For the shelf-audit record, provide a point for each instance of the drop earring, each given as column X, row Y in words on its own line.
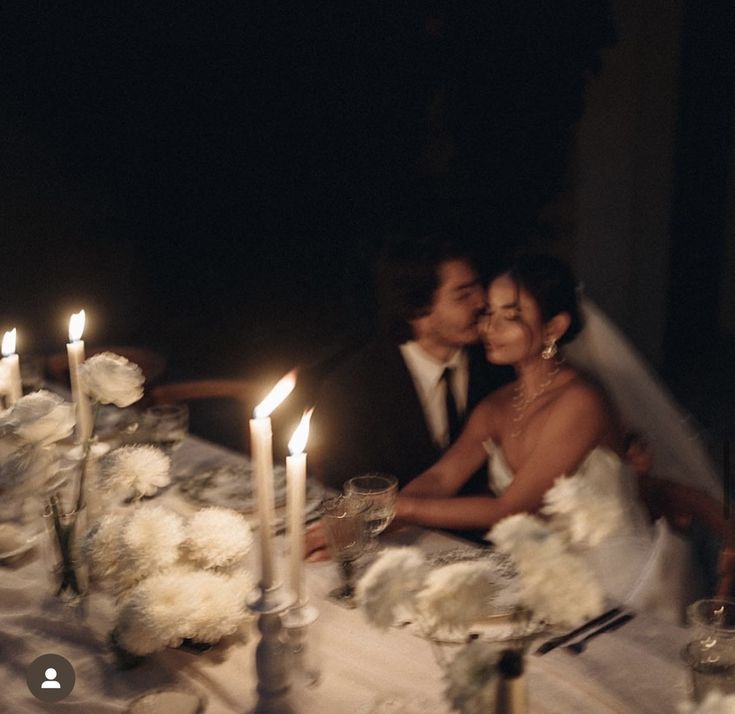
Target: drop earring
column 550, row 349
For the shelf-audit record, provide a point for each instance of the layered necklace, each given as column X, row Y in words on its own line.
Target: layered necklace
column 521, row 402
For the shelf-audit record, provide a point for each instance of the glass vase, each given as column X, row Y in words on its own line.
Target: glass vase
column 64, row 529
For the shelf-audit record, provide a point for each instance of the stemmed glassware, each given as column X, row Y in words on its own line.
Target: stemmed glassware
column 344, row 523
column 167, row 425
column 378, row 492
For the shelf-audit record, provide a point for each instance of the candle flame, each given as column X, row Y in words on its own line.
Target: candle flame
column 283, row 388
column 297, row 444
column 76, row 326
column 8, row 346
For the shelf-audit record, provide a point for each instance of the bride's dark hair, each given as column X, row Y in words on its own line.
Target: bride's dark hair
column 551, row 283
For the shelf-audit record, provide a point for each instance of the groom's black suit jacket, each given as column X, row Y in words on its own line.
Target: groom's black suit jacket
column 368, row 417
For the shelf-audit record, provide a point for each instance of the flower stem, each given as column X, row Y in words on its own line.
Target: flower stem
column 86, row 448
column 65, row 539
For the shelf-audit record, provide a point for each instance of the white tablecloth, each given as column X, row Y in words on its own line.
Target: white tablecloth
column 636, row 670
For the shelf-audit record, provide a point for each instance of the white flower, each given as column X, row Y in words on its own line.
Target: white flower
column 111, row 379
column 135, row 470
column 588, row 506
column 458, row 595
column 219, row 606
column 390, row 584
column 151, row 538
column 714, row 703
column 103, row 546
column 218, row 538
column 180, row 604
column 471, row 678
column 39, row 418
column 554, row 584
column 155, row 613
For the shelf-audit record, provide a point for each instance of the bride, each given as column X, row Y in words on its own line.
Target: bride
column 552, row 421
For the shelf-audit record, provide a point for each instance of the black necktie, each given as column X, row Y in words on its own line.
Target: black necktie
column 452, row 415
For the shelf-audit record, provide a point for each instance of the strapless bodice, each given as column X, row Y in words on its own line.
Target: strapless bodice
column 634, row 562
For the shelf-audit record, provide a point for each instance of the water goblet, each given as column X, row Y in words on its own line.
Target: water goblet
column 378, row 492
column 167, row 425
column 711, row 654
column 343, row 520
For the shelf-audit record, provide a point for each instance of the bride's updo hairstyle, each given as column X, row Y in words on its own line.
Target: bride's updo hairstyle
column 551, row 283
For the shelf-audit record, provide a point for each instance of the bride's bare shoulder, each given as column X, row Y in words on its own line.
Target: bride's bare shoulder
column 582, row 393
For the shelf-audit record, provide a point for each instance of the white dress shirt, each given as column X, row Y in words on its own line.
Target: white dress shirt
column 426, row 372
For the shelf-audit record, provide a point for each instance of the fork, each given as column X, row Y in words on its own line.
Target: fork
column 581, row 645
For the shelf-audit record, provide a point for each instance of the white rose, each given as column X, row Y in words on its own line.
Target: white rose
column 39, row 418
column 111, row 379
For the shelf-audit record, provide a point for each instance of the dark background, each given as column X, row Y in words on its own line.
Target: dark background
column 214, row 180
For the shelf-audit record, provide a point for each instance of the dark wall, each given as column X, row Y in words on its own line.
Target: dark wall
column 215, row 179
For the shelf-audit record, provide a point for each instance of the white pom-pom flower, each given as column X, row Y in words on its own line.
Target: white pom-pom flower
column 103, row 546
column 219, row 607
column 167, row 608
column 111, row 379
column 151, row 539
column 390, row 584
column 155, row 613
column 136, row 471
column 456, row 596
column 218, row 538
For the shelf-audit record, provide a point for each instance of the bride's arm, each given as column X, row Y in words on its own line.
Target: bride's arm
column 578, row 424
column 459, row 462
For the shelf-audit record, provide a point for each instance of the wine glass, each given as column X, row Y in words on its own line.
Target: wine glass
column 378, row 492
column 343, row 520
column 167, row 425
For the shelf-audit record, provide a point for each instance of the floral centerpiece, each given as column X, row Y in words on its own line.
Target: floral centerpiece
column 174, row 581
column 549, row 584
column 30, row 458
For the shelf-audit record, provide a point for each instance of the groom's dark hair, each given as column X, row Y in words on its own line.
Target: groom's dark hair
column 407, row 277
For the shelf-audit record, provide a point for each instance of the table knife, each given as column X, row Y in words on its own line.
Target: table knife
column 559, row 640
column 580, row 645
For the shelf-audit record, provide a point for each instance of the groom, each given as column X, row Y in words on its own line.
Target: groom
column 396, row 404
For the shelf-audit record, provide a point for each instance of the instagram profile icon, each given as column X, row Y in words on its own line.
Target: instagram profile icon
column 50, row 677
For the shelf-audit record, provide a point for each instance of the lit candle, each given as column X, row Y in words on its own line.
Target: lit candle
column 75, row 353
column 261, row 446
column 296, row 479
column 12, row 365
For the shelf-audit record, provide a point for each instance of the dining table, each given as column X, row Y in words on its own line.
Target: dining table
column 636, row 669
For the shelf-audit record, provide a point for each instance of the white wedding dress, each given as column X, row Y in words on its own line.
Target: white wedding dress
column 640, row 564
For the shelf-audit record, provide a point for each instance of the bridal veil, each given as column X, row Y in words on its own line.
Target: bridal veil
column 643, row 402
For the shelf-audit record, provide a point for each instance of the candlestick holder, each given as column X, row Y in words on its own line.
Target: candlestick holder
column 296, row 623
column 271, row 653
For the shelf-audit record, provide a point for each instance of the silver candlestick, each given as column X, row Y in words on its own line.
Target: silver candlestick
column 271, row 654
column 296, row 622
